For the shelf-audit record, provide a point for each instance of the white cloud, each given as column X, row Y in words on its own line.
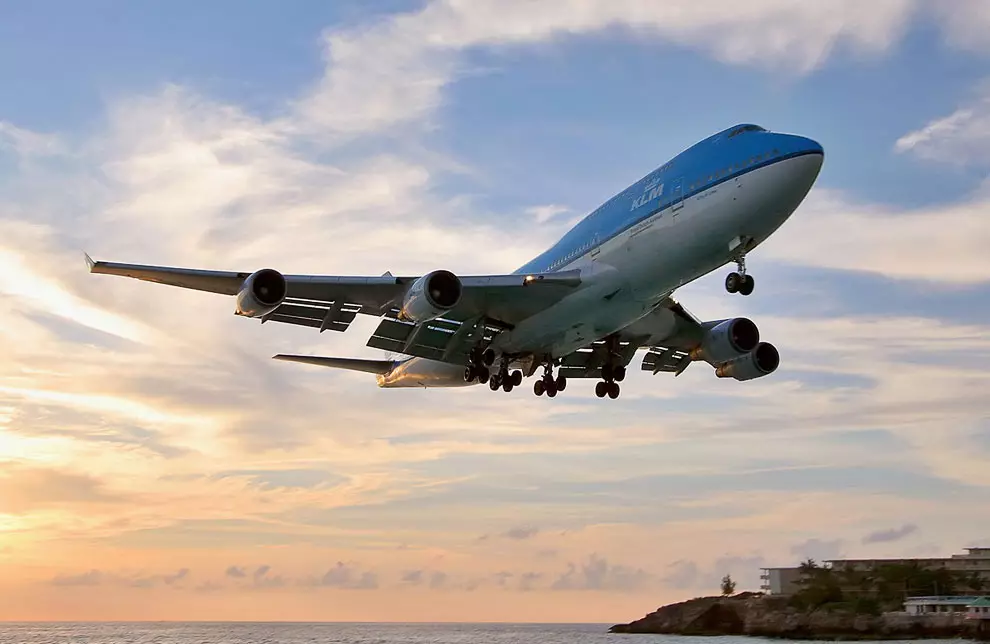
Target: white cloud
column 966, row 23
column 962, row 137
column 28, row 143
column 940, row 244
column 394, row 71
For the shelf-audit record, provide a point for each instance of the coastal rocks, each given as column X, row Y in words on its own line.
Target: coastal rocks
column 769, row 616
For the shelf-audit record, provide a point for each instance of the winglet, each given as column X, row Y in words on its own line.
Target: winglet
column 89, row 262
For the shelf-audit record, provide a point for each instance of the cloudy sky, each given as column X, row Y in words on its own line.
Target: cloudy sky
column 156, row 464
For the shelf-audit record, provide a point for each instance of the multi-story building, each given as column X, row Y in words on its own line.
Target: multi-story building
column 976, row 560
column 784, row 581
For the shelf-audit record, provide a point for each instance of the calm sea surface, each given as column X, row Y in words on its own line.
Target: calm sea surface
column 282, row 633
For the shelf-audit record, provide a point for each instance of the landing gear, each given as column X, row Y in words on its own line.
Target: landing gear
column 477, row 369
column 548, row 384
column 740, row 282
column 612, row 374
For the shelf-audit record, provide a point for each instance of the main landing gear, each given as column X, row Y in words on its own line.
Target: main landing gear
column 740, row 282
column 612, row 374
column 548, row 384
column 478, row 369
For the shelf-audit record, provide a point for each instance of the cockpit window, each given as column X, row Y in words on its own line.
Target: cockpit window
column 746, row 128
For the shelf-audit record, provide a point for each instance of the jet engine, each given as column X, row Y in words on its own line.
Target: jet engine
column 762, row 361
column 431, row 296
column 261, row 293
column 727, row 340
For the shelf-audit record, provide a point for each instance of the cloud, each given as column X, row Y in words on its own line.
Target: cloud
column 394, row 71
column 682, row 574
column 818, row 549
column 597, row 574
column 966, row 23
column 26, row 488
column 349, row 577
column 99, row 578
column 543, row 214
column 413, row 577
column 891, row 534
column 261, row 579
column 521, row 533
column 26, row 143
column 886, row 240
column 961, row 138
column 235, row 572
column 90, row 578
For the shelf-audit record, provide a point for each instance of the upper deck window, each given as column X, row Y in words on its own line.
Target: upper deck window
column 746, row 128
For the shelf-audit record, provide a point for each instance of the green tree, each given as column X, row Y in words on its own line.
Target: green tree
column 728, row 586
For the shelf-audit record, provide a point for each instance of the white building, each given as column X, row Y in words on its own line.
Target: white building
column 939, row 604
column 780, row 581
column 979, row 609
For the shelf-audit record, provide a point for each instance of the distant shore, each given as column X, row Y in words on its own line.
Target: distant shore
column 758, row 615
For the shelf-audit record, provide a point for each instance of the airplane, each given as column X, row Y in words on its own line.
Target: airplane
column 585, row 306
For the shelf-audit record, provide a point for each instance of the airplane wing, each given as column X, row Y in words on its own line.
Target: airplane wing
column 488, row 303
column 668, row 335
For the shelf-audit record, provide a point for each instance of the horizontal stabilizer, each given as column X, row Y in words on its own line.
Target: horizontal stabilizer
column 378, row 367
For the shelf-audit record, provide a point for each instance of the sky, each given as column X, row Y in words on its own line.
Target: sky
column 156, row 464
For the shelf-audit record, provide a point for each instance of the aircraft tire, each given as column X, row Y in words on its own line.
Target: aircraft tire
column 561, row 382
column 748, row 283
column 613, row 390
column 619, row 374
column 733, row 281
column 538, row 388
column 551, row 392
column 516, row 378
column 493, row 383
column 483, row 375
column 601, row 389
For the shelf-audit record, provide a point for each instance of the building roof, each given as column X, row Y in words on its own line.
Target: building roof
column 982, row 601
column 948, row 599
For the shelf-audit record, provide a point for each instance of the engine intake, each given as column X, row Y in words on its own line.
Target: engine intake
column 261, row 293
column 431, row 296
column 760, row 362
column 727, row 340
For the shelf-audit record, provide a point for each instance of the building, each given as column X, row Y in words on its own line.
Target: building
column 979, row 609
column 976, row 560
column 940, row 604
column 780, row 581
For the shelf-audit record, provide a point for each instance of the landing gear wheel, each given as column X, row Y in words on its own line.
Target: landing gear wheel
column 733, row 281
column 469, row 374
column 561, row 382
column 507, row 385
column 516, row 378
column 747, row 285
column 613, row 390
column 601, row 389
column 538, row 388
column 488, row 357
column 551, row 391
column 483, row 375
column 619, row 374
column 494, row 384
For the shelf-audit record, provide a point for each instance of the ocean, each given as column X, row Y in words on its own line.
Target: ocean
column 323, row 633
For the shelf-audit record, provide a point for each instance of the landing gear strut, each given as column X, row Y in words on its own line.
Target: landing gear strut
column 548, row 384
column 739, row 281
column 478, row 368
column 612, row 374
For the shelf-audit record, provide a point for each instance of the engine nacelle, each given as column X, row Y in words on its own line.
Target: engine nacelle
column 431, row 296
column 762, row 361
column 262, row 292
column 727, row 340
column 420, row 372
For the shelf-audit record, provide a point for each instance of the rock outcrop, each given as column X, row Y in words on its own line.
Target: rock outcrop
column 768, row 616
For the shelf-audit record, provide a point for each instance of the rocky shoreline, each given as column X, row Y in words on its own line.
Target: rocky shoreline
column 759, row 615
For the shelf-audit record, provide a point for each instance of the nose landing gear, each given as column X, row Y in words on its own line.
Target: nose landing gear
column 739, row 281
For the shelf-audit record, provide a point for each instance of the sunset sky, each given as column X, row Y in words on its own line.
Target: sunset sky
column 155, row 463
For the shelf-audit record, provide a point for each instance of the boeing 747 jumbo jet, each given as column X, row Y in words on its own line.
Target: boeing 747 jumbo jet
column 583, row 307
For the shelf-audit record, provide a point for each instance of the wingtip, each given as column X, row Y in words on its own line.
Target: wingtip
column 89, row 262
